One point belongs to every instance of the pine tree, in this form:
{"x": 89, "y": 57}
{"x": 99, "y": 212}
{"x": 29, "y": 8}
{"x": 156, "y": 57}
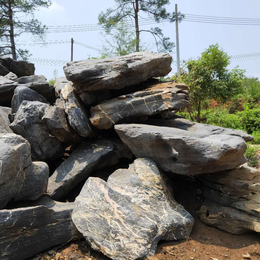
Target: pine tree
{"x": 133, "y": 9}
{"x": 16, "y": 18}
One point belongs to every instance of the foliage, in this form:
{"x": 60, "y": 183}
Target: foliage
{"x": 119, "y": 41}
{"x": 128, "y": 10}
{"x": 256, "y": 135}
{"x": 208, "y": 78}
{"x": 17, "y": 17}
{"x": 251, "y": 88}
{"x": 250, "y": 119}
{"x": 251, "y": 155}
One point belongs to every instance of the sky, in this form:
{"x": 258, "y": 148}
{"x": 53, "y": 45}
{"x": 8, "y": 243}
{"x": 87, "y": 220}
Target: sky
{"x": 194, "y": 37}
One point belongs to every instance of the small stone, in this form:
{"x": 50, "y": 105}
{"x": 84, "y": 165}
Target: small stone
{"x": 247, "y": 256}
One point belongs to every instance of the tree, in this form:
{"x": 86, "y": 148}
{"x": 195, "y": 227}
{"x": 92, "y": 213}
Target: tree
{"x": 120, "y": 41}
{"x": 252, "y": 88}
{"x": 17, "y": 17}
{"x": 208, "y": 78}
{"x": 127, "y": 10}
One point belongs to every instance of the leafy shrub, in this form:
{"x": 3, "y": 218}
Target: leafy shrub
{"x": 256, "y": 135}
{"x": 251, "y": 155}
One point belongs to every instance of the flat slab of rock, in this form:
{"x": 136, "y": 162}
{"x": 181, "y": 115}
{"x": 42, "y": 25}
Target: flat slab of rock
{"x": 20, "y": 178}
{"x": 77, "y": 115}
{"x": 202, "y": 130}
{"x": 117, "y": 73}
{"x": 237, "y": 192}
{"x": 154, "y": 100}
{"x": 4, "y": 120}
{"x": 183, "y": 152}
{"x": 128, "y": 215}
{"x": 29, "y": 124}
{"x": 35, "y": 227}
{"x": 83, "y": 161}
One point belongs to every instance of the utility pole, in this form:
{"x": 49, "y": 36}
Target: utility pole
{"x": 71, "y": 56}
{"x": 177, "y": 41}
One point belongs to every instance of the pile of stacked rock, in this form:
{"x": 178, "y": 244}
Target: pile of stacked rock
{"x": 104, "y": 114}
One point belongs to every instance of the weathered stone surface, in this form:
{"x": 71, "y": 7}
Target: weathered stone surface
{"x": 39, "y": 84}
{"x": 234, "y": 194}
{"x": 7, "y": 88}
{"x": 20, "y": 68}
{"x": 202, "y": 130}
{"x": 85, "y": 159}
{"x": 29, "y": 124}
{"x": 183, "y": 152}
{"x": 11, "y": 76}
{"x": 19, "y": 177}
{"x": 128, "y": 215}
{"x": 117, "y": 73}
{"x": 58, "y": 126}
{"x": 21, "y": 93}
{"x": 92, "y": 98}
{"x": 59, "y": 84}
{"x": 77, "y": 115}
{"x": 35, "y": 227}
{"x": 4, "y": 120}
{"x": 154, "y": 100}
{"x": 228, "y": 218}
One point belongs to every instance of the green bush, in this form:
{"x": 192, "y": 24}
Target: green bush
{"x": 250, "y": 119}
{"x": 256, "y": 135}
{"x": 251, "y": 155}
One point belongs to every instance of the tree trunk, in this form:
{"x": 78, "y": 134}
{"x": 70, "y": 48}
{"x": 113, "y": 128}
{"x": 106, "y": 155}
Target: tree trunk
{"x": 137, "y": 33}
{"x": 11, "y": 24}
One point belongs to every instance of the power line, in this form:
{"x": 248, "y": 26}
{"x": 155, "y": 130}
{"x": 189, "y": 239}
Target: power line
{"x": 248, "y": 56}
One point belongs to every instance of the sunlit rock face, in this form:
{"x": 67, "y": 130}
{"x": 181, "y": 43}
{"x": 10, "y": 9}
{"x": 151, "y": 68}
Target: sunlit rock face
{"x": 128, "y": 215}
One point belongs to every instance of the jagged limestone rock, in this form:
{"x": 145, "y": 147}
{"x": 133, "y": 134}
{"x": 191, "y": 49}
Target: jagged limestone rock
{"x": 33, "y": 227}
{"x": 154, "y": 100}
{"x": 39, "y": 84}
{"x": 29, "y": 124}
{"x": 83, "y": 161}
{"x": 4, "y": 120}
{"x": 128, "y": 215}
{"x": 21, "y": 93}
{"x": 7, "y": 88}
{"x": 20, "y": 178}
{"x": 117, "y": 73}
{"x": 77, "y": 114}
{"x": 55, "y": 119}
{"x": 183, "y": 152}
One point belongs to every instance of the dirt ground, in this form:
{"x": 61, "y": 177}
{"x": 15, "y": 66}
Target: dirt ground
{"x": 205, "y": 242}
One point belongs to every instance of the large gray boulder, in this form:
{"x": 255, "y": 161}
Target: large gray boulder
{"x": 5, "y": 112}
{"x": 202, "y": 130}
{"x": 76, "y": 113}
{"x": 154, "y": 100}
{"x": 20, "y": 178}
{"x": 39, "y": 84}
{"x": 86, "y": 158}
{"x": 34, "y": 227}
{"x": 128, "y": 215}
{"x": 183, "y": 152}
{"x": 55, "y": 119}
{"x": 117, "y": 73}
{"x": 7, "y": 88}
{"x": 21, "y": 93}
{"x": 232, "y": 200}
{"x": 29, "y": 124}
{"x": 20, "y": 68}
